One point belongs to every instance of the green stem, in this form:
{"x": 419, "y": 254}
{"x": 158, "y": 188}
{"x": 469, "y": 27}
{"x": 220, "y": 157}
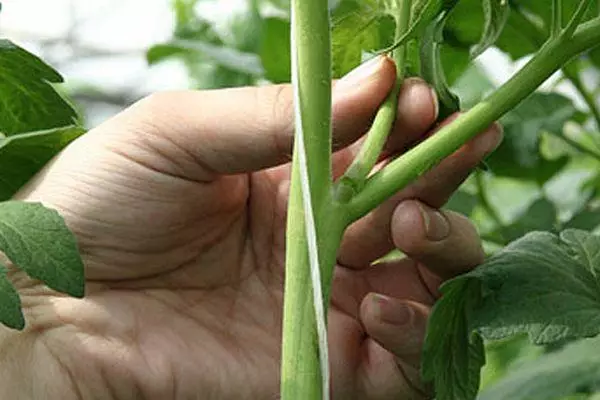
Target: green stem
{"x": 450, "y": 138}
{"x": 300, "y": 369}
{"x": 354, "y": 178}
{"x": 576, "y": 18}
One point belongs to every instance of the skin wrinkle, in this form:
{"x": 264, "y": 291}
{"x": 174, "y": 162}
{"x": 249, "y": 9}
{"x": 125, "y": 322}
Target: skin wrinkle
{"x": 59, "y": 361}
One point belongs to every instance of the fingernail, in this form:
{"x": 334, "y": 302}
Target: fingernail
{"x": 418, "y": 95}
{"x": 361, "y": 73}
{"x": 436, "y": 225}
{"x": 390, "y": 311}
{"x": 436, "y": 103}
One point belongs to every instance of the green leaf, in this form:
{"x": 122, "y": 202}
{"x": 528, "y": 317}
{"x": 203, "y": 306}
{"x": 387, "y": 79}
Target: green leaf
{"x": 10, "y": 303}
{"x": 462, "y": 202}
{"x": 38, "y": 242}
{"x": 22, "y": 156}
{"x": 573, "y": 369}
{"x": 542, "y": 285}
{"x": 27, "y": 98}
{"x": 358, "y": 27}
{"x": 541, "y": 215}
{"x": 588, "y": 219}
{"x": 275, "y": 50}
{"x": 452, "y": 357}
{"x": 422, "y": 14}
{"x": 232, "y": 59}
{"x": 495, "y": 13}
{"x": 519, "y": 154}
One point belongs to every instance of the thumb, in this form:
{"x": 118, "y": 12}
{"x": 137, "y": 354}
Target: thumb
{"x": 200, "y": 134}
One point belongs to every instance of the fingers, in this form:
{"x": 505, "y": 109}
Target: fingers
{"x": 398, "y": 325}
{"x": 371, "y": 237}
{"x": 417, "y": 111}
{"x": 203, "y": 133}
{"x": 445, "y": 241}
{"x": 396, "y": 330}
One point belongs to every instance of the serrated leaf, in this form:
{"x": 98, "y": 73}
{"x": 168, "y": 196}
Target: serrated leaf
{"x": 37, "y": 241}
{"x": 10, "y": 303}
{"x": 27, "y": 99}
{"x": 275, "y": 50}
{"x": 23, "y": 155}
{"x": 573, "y": 369}
{"x": 495, "y": 16}
{"x": 519, "y": 153}
{"x": 542, "y": 285}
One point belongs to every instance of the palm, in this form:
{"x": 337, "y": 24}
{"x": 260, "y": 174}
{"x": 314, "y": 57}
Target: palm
{"x": 185, "y": 263}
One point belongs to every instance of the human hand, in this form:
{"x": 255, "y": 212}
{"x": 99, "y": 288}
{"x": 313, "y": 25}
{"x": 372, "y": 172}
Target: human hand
{"x": 178, "y": 205}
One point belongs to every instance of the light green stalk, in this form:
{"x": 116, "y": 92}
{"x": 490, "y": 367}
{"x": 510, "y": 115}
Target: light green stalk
{"x": 300, "y": 373}
{"x": 354, "y": 178}
{"x": 448, "y": 139}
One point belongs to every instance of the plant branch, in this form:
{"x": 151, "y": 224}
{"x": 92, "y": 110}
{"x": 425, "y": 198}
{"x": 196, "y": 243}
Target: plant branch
{"x": 355, "y": 176}
{"x": 576, "y": 18}
{"x": 405, "y": 169}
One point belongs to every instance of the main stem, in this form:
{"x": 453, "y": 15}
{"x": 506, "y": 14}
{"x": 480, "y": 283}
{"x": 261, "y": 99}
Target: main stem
{"x": 300, "y": 369}
{"x": 447, "y": 140}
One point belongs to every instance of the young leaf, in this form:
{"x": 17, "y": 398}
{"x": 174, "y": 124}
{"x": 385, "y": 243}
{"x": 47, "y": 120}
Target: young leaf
{"x": 543, "y": 285}
{"x": 27, "y": 98}
{"x": 10, "y": 303}
{"x": 573, "y": 369}
{"x": 431, "y": 64}
{"x": 495, "y": 13}
{"x": 358, "y": 26}
{"x": 25, "y": 154}
{"x": 38, "y": 242}
{"x": 423, "y": 13}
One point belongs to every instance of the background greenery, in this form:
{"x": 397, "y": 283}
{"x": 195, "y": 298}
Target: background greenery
{"x": 545, "y": 175}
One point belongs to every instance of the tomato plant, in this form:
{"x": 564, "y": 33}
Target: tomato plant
{"x": 524, "y": 325}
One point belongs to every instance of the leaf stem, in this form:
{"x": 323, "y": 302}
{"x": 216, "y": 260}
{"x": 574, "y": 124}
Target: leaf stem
{"x": 556, "y": 26}
{"x": 451, "y": 137}
{"x": 355, "y": 176}
{"x": 576, "y": 18}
